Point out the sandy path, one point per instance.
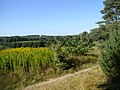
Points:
(32, 87)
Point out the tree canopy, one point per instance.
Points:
(111, 11)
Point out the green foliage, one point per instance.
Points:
(25, 66)
(110, 61)
(111, 11)
(27, 59)
(72, 56)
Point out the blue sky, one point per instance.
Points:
(50, 17)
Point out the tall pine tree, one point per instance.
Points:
(111, 11)
(110, 60)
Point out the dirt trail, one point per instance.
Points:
(57, 79)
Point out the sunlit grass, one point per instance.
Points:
(89, 80)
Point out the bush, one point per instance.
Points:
(110, 60)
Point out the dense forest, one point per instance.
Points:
(31, 58)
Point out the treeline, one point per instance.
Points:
(31, 41)
(97, 34)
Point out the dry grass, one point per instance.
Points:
(89, 80)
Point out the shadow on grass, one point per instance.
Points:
(111, 84)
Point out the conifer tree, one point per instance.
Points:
(111, 11)
(110, 61)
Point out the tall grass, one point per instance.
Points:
(27, 59)
(89, 80)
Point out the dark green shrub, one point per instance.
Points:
(110, 60)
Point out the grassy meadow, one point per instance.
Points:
(23, 64)
(20, 67)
